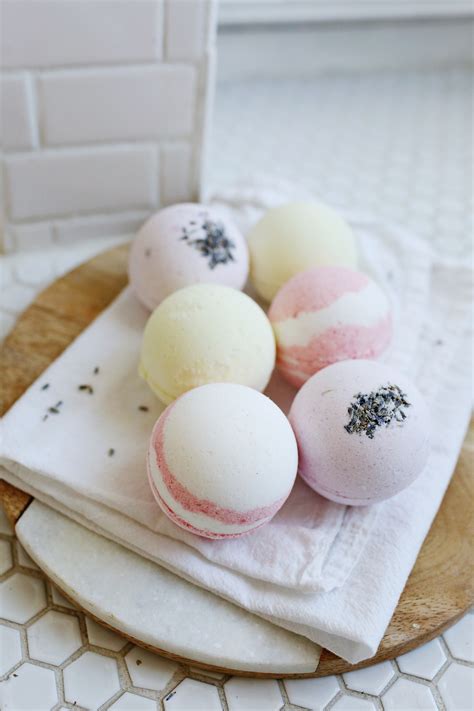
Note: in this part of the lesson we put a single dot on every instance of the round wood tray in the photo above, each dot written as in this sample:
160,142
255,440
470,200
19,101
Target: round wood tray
440,588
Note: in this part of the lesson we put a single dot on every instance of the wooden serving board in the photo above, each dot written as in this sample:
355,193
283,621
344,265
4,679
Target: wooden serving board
441,586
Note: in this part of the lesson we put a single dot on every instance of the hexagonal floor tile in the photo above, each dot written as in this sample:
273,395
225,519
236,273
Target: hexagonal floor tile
21,597
456,687
6,559
195,695
460,639
148,670
54,637
133,702
313,693
10,645
31,688
59,599
91,680
23,557
425,661
103,637
242,693
353,703
371,680
405,694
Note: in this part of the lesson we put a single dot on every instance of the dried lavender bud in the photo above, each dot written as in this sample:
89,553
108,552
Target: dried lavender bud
143,408
216,247
87,388
111,452
376,409
96,370
45,386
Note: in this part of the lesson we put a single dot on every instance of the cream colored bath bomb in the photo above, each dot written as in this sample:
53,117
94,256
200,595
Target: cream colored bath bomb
294,237
206,333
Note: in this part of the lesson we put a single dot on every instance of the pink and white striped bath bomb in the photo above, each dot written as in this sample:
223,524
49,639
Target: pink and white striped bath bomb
328,314
363,432
222,460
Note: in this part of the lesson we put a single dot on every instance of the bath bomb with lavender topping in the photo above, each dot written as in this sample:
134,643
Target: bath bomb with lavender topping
328,314
294,237
206,334
222,460
363,432
182,245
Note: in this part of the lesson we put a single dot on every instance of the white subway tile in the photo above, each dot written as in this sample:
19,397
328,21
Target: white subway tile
58,183
57,33
118,104
75,229
186,28
34,236
18,123
176,173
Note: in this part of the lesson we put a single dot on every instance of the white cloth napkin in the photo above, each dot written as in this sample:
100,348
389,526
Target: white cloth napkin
329,572
306,546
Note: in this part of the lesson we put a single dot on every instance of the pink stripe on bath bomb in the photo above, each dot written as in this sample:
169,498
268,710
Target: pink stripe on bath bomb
298,363
299,294
179,521
193,503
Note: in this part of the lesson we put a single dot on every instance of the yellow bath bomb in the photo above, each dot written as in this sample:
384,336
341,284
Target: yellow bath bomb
294,237
206,333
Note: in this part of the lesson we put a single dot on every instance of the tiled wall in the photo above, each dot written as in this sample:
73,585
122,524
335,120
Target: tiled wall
105,106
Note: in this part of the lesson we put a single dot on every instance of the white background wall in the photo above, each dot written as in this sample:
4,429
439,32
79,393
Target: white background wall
104,110
301,38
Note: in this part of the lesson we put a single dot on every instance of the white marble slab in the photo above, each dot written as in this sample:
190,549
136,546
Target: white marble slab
150,604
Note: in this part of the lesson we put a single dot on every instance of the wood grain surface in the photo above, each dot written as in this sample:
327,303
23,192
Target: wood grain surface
441,586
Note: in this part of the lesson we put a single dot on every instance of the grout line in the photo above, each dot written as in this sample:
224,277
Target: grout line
33,110
164,10
340,695
92,145
99,213
99,146
92,68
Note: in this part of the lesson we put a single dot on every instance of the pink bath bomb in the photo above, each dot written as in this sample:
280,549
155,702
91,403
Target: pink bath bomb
182,245
325,315
362,430
222,459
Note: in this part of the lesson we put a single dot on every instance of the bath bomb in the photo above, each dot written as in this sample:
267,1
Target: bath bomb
328,314
206,334
294,237
363,432
182,245
222,460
